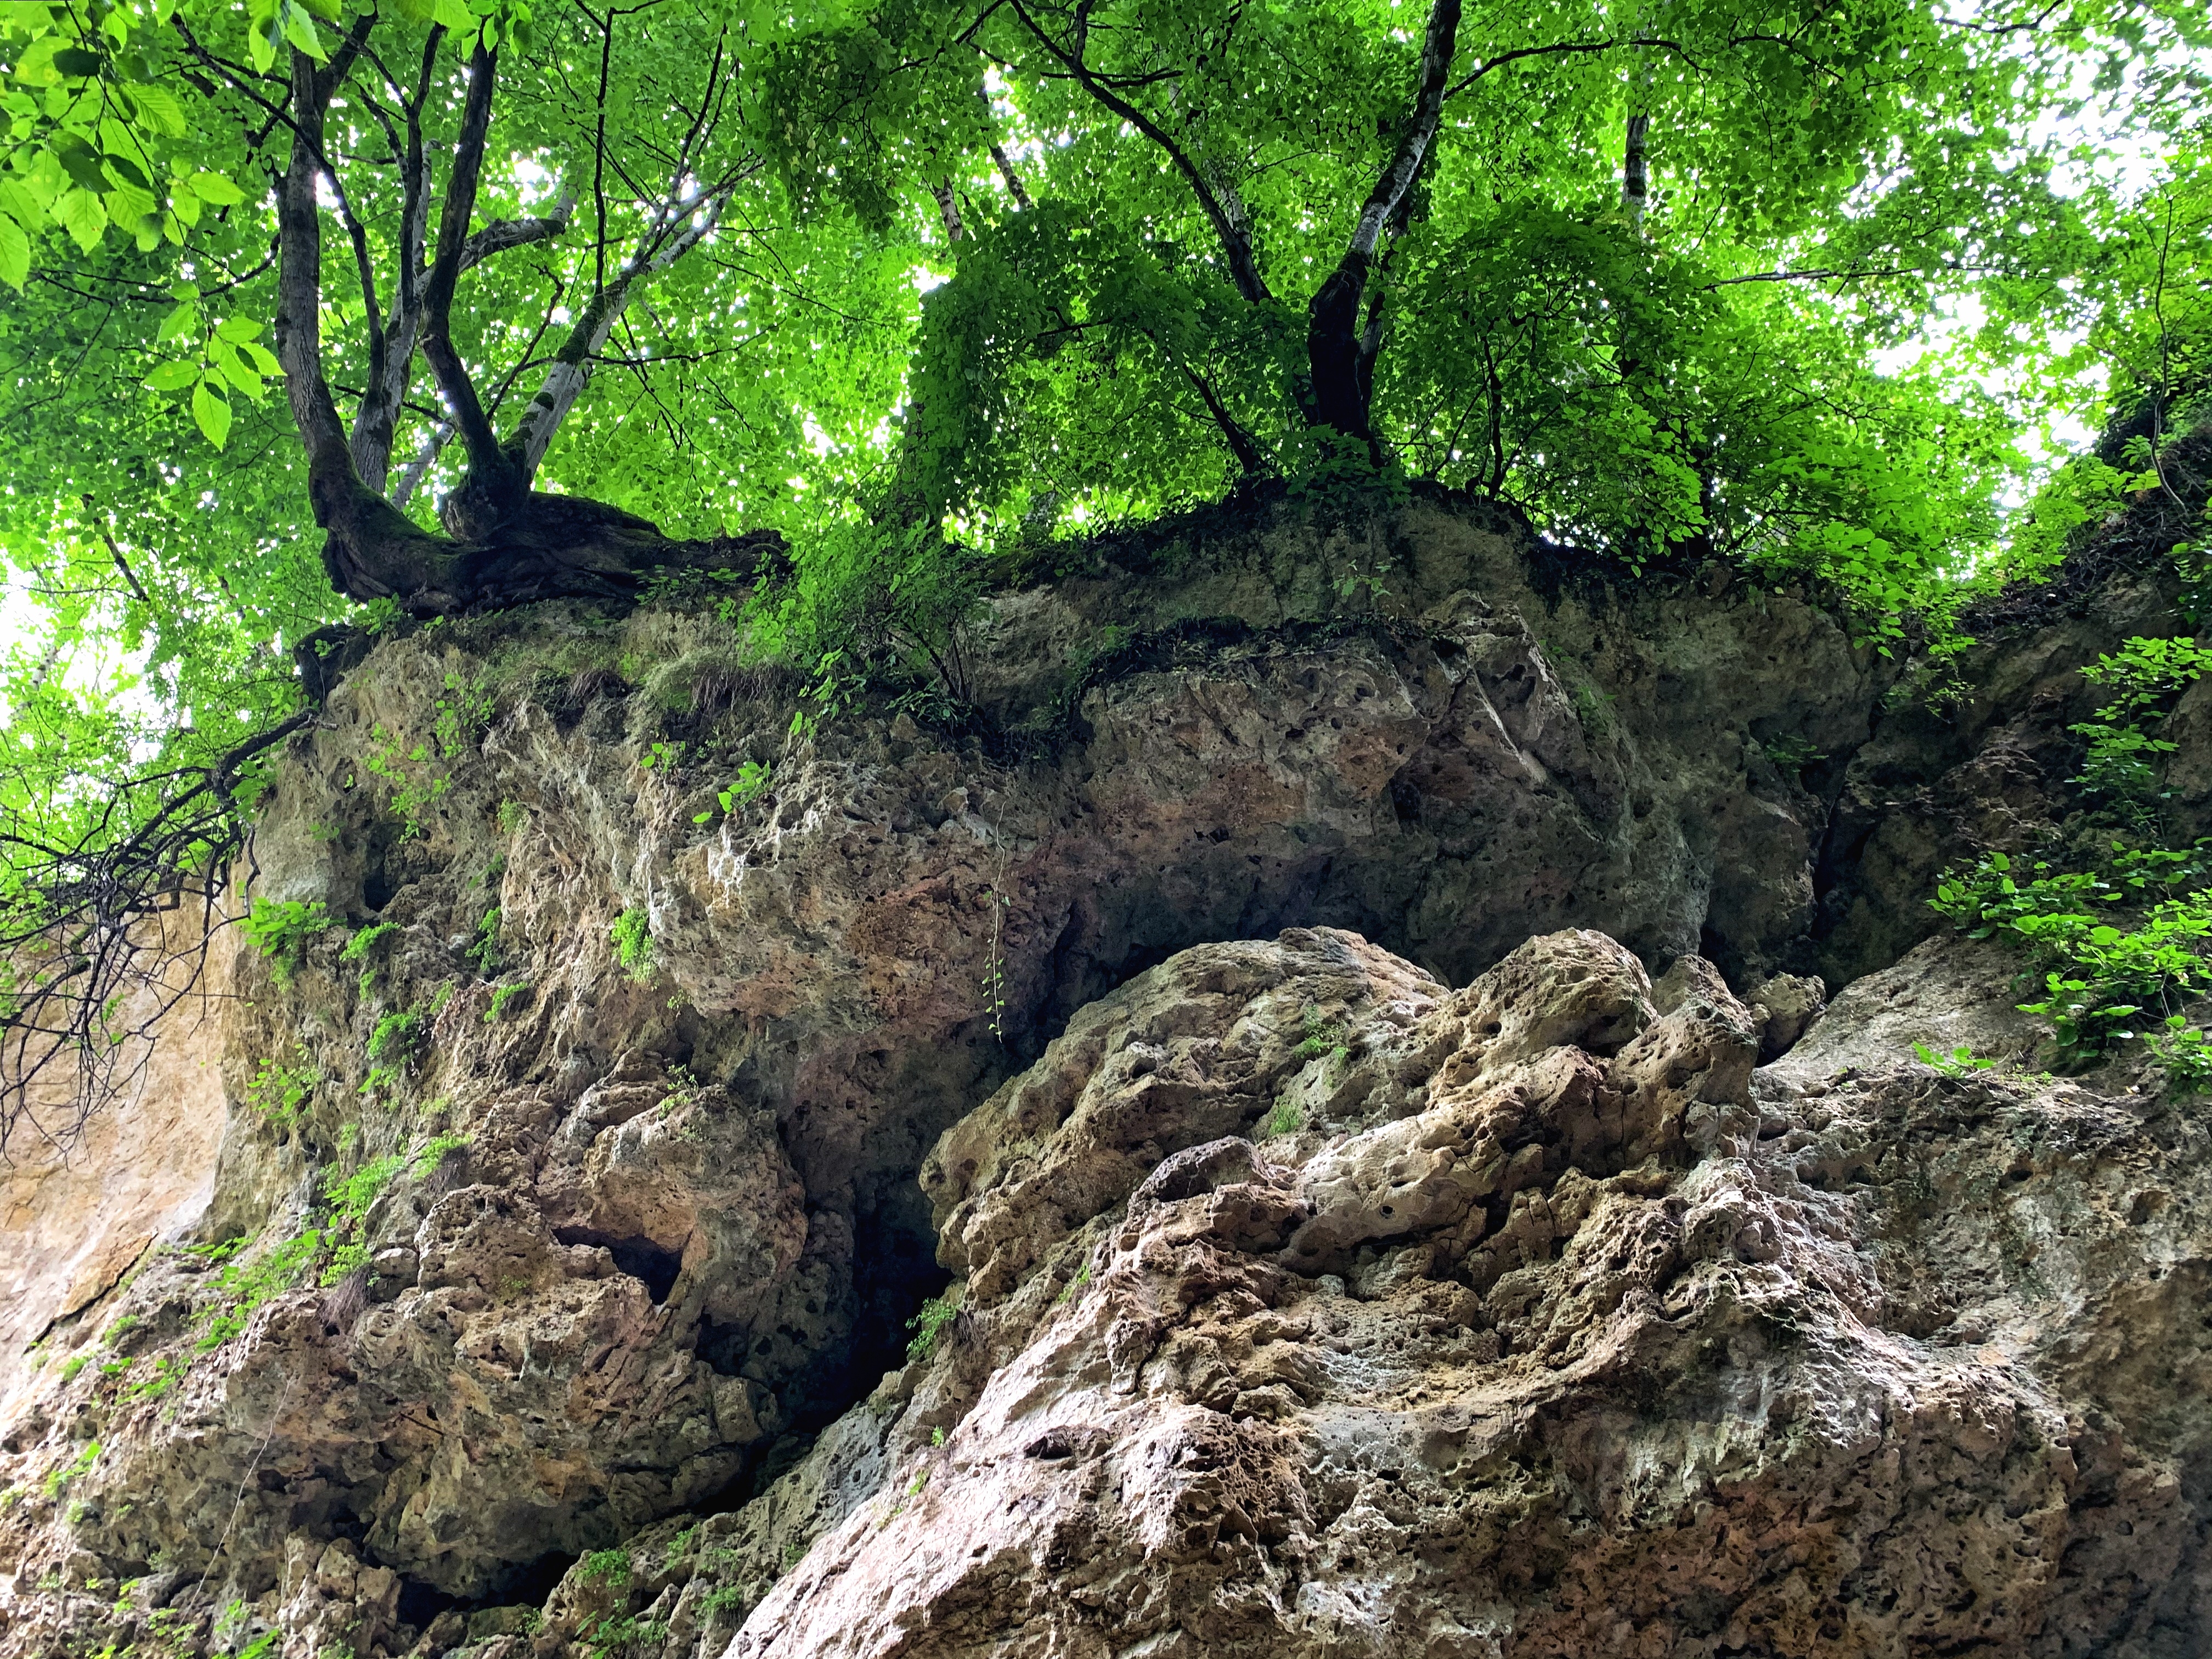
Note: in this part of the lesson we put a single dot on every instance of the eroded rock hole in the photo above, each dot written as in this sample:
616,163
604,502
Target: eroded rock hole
656,1267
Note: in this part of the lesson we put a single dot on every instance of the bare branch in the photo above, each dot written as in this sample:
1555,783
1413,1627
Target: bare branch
501,234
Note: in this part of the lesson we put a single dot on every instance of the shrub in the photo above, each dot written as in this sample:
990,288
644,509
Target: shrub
2101,979
2123,759
633,939
280,929
928,1325
606,1567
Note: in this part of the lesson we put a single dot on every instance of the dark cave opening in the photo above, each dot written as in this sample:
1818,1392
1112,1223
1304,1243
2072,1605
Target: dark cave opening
526,1583
653,1265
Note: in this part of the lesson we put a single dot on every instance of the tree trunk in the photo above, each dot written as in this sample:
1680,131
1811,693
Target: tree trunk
1635,182
1340,362
507,543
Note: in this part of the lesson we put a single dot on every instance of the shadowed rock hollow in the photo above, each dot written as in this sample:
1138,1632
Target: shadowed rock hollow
1304,1303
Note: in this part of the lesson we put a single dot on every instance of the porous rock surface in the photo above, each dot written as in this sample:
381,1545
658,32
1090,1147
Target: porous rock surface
1552,1329
1292,1284
684,1223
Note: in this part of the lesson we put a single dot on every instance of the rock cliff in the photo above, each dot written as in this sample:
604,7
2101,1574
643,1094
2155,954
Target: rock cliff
1312,1098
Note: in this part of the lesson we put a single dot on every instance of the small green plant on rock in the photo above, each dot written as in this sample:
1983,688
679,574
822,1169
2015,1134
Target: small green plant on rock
1960,1061
280,929
612,1636
358,947
605,1567
928,1325
277,1093
484,953
2184,1054
59,1478
1322,1037
393,1046
330,1250
502,997
1791,752
1285,1117
167,1372
415,779
752,779
633,941
731,1599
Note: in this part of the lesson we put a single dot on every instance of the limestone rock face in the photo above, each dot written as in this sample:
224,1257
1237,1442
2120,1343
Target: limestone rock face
1527,1319
684,1223
77,1218
1440,1276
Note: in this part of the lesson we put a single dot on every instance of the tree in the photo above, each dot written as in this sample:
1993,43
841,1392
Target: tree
560,297
1334,239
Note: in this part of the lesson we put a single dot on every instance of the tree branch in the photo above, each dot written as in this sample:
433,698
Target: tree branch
1235,235
1013,180
330,474
1561,49
377,416
571,370
500,234
485,457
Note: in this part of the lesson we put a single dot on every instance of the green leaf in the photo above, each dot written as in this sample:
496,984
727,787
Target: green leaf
300,30
172,376
179,322
123,167
14,253
214,188
235,329
127,204
19,204
76,62
81,215
241,374
158,108
213,413
82,162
